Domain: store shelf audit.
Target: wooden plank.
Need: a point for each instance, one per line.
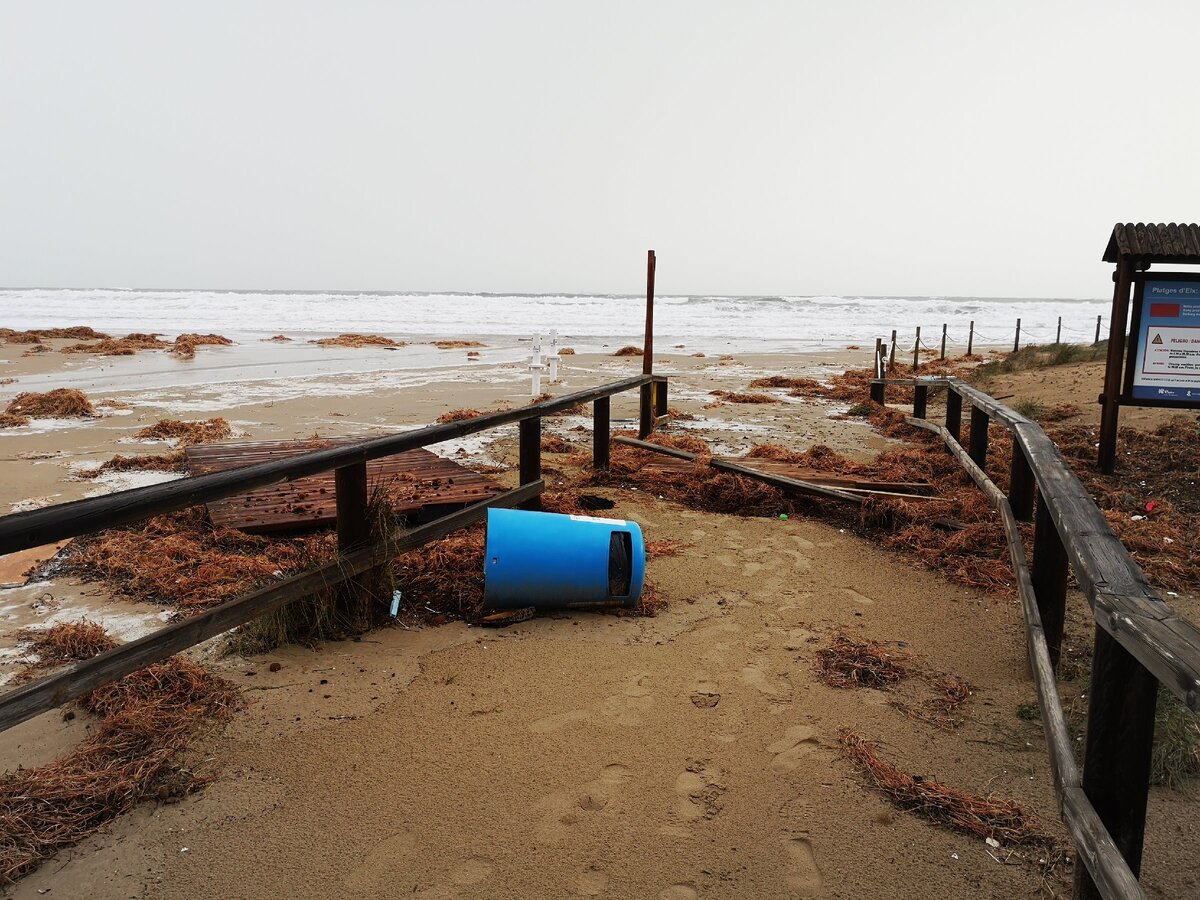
(1099, 855)
(530, 448)
(309, 502)
(54, 690)
(19, 531)
(795, 484)
(654, 448)
(1049, 575)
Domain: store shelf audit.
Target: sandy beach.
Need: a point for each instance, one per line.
(690, 754)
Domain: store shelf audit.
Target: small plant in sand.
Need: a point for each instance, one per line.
(61, 403)
(185, 345)
(358, 340)
(184, 434)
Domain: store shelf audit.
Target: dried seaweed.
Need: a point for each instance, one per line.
(56, 404)
(358, 340)
(184, 434)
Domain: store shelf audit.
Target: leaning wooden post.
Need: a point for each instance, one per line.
(1110, 410)
(353, 533)
(920, 400)
(943, 340)
(954, 413)
(600, 434)
(971, 338)
(1049, 576)
(892, 356)
(1116, 762)
(1020, 485)
(1017, 339)
(917, 350)
(979, 436)
(531, 456)
(1058, 334)
(646, 397)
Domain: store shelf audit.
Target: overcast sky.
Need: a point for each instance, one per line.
(962, 147)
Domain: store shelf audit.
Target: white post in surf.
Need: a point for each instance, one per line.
(535, 367)
(552, 359)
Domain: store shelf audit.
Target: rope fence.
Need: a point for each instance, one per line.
(947, 340)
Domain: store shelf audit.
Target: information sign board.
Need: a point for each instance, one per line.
(1163, 365)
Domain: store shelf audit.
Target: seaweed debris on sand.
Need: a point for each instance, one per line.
(60, 403)
(183, 434)
(358, 340)
(185, 345)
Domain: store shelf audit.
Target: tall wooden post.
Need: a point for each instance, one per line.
(1058, 334)
(943, 340)
(878, 368)
(1110, 400)
(920, 401)
(1017, 339)
(917, 350)
(661, 408)
(892, 356)
(971, 338)
(979, 436)
(1020, 486)
(1097, 340)
(646, 397)
(530, 448)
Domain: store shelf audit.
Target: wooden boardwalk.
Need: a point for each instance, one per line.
(414, 480)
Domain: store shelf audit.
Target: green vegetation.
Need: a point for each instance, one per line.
(861, 409)
(1175, 759)
(1038, 356)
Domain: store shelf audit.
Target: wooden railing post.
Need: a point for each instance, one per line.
(1116, 763)
(920, 400)
(1020, 486)
(353, 533)
(877, 386)
(645, 411)
(531, 456)
(1049, 576)
(660, 398)
(979, 436)
(892, 355)
(954, 413)
(600, 434)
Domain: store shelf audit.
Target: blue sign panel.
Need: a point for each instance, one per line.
(1166, 367)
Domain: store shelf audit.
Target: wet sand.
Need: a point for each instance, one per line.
(689, 755)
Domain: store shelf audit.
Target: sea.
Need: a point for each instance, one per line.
(589, 322)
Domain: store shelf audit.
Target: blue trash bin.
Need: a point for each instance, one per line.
(552, 561)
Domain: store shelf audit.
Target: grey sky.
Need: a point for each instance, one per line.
(972, 148)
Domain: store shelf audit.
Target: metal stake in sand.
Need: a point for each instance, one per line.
(553, 358)
(536, 368)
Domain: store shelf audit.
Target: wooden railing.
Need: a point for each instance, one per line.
(1140, 641)
(357, 554)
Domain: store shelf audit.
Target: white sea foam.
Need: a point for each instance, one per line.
(739, 324)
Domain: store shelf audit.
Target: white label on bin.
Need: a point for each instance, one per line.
(598, 519)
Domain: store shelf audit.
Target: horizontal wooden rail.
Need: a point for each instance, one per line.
(54, 690)
(19, 531)
(1097, 849)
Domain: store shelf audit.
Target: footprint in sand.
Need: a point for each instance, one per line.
(698, 790)
(558, 721)
(804, 875)
(382, 862)
(678, 892)
(567, 808)
(472, 870)
(857, 597)
(626, 708)
(705, 694)
(592, 882)
(757, 679)
(796, 743)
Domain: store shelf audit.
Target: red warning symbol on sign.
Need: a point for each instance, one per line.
(1157, 339)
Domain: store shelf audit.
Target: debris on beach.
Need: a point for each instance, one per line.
(998, 818)
(65, 642)
(147, 718)
(738, 397)
(358, 340)
(60, 403)
(185, 345)
(566, 351)
(553, 443)
(277, 339)
(629, 350)
(126, 346)
(149, 462)
(458, 415)
(10, 420)
(180, 560)
(183, 434)
(33, 336)
(455, 345)
(850, 663)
